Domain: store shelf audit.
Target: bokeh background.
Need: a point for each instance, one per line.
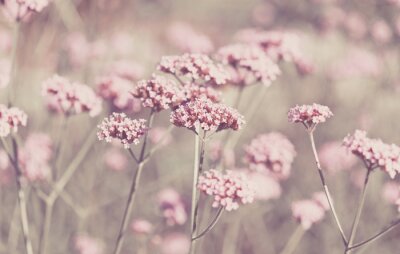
(352, 54)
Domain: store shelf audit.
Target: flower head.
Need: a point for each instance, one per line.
(208, 115)
(140, 226)
(70, 97)
(230, 190)
(11, 119)
(271, 152)
(21, 9)
(309, 115)
(172, 207)
(307, 212)
(118, 126)
(85, 244)
(373, 152)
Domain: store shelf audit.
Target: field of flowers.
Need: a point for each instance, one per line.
(199, 127)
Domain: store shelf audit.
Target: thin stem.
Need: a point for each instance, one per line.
(294, 240)
(211, 226)
(46, 226)
(359, 212)
(387, 229)
(326, 189)
(133, 155)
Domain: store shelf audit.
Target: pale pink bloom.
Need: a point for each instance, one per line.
(272, 153)
(229, 190)
(142, 227)
(309, 115)
(374, 153)
(175, 243)
(321, 199)
(304, 66)
(160, 134)
(158, 93)
(116, 90)
(334, 157)
(216, 153)
(197, 68)
(248, 64)
(118, 126)
(6, 40)
(355, 25)
(11, 119)
(265, 186)
(307, 212)
(195, 91)
(391, 192)
(85, 244)
(5, 69)
(21, 9)
(122, 44)
(78, 49)
(172, 207)
(126, 69)
(187, 39)
(264, 13)
(394, 2)
(207, 115)
(381, 32)
(69, 98)
(115, 159)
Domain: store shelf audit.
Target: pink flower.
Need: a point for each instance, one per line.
(307, 212)
(208, 115)
(194, 91)
(381, 32)
(321, 199)
(117, 90)
(158, 93)
(355, 25)
(20, 9)
(373, 152)
(217, 153)
(334, 157)
(391, 192)
(11, 119)
(115, 159)
(172, 207)
(175, 243)
(197, 68)
(184, 37)
(118, 126)
(160, 134)
(229, 190)
(248, 64)
(85, 244)
(271, 152)
(142, 227)
(265, 187)
(309, 115)
(70, 97)
(126, 69)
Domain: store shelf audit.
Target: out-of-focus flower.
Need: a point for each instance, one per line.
(175, 243)
(160, 134)
(271, 152)
(67, 97)
(265, 187)
(334, 157)
(158, 93)
(321, 199)
(5, 68)
(117, 90)
(126, 69)
(118, 126)
(115, 159)
(78, 49)
(142, 227)
(20, 9)
(355, 25)
(216, 153)
(357, 177)
(229, 190)
(374, 152)
(197, 68)
(194, 91)
(248, 64)
(391, 192)
(5, 40)
(85, 244)
(307, 212)
(381, 32)
(264, 13)
(172, 207)
(309, 115)
(11, 119)
(184, 37)
(208, 115)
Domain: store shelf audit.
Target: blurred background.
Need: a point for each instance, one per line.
(350, 63)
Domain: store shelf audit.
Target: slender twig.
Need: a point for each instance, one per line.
(359, 211)
(211, 226)
(294, 240)
(387, 229)
(326, 190)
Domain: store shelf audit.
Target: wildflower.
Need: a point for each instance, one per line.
(271, 152)
(208, 115)
(85, 244)
(142, 227)
(21, 9)
(118, 126)
(307, 212)
(229, 190)
(309, 115)
(266, 187)
(11, 119)
(194, 91)
(115, 159)
(172, 207)
(70, 97)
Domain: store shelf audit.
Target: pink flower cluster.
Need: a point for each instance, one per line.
(20, 9)
(230, 190)
(11, 119)
(271, 152)
(70, 97)
(118, 126)
(248, 64)
(208, 115)
(172, 207)
(310, 211)
(158, 93)
(266, 187)
(85, 244)
(309, 115)
(196, 67)
(374, 152)
(193, 92)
